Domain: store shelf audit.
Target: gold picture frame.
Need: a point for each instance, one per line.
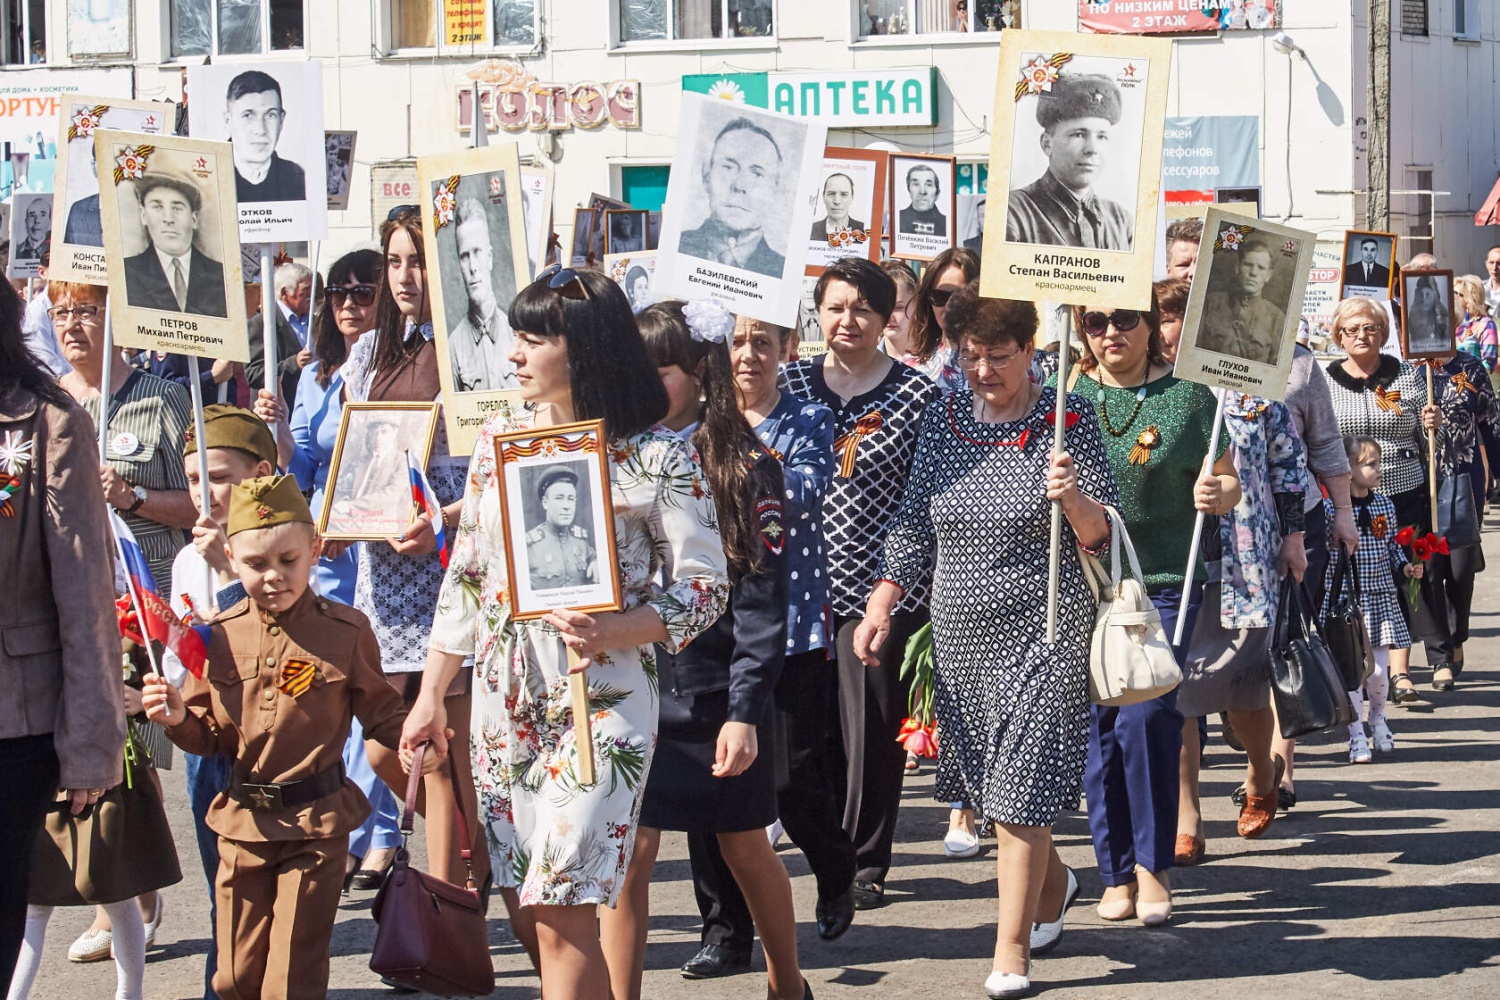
(369, 495)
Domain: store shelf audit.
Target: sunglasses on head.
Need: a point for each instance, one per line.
(401, 210)
(565, 282)
(363, 295)
(1124, 320)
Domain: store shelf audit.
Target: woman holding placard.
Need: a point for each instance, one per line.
(1156, 431)
(563, 847)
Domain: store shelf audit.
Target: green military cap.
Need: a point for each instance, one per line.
(265, 503)
(552, 475)
(226, 426)
(1081, 95)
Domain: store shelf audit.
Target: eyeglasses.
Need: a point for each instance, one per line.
(363, 295)
(1124, 320)
(972, 363)
(60, 314)
(565, 282)
(1368, 330)
(939, 297)
(401, 210)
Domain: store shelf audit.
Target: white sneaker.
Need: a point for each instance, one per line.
(774, 833)
(1007, 985)
(1044, 937)
(1380, 736)
(1359, 749)
(960, 843)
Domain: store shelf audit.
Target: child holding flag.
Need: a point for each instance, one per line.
(286, 672)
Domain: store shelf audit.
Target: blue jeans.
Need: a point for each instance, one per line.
(206, 778)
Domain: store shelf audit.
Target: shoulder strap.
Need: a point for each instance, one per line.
(409, 807)
(1120, 538)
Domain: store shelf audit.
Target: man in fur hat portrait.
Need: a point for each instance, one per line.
(1078, 117)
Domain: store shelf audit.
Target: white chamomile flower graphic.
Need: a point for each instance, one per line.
(727, 90)
(15, 453)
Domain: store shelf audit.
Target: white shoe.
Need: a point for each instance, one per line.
(960, 843)
(91, 946)
(774, 833)
(1380, 736)
(1007, 985)
(155, 921)
(1044, 937)
(1359, 749)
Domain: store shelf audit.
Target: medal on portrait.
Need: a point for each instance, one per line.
(848, 207)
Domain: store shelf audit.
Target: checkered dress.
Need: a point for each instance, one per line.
(1379, 559)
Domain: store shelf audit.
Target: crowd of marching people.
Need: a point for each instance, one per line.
(824, 562)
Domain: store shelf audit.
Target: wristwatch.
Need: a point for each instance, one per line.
(141, 496)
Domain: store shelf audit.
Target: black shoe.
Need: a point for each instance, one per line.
(364, 880)
(714, 960)
(867, 895)
(1285, 797)
(835, 915)
(397, 987)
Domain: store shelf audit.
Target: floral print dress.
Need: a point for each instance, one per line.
(555, 840)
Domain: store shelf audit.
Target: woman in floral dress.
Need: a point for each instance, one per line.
(563, 846)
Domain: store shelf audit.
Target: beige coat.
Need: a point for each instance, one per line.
(59, 641)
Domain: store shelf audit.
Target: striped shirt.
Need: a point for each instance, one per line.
(148, 423)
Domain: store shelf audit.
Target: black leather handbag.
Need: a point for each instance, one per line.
(1344, 629)
(1309, 692)
(1457, 520)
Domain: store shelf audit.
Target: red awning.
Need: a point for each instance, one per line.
(1489, 215)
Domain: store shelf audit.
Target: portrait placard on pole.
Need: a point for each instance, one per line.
(1078, 132)
(848, 207)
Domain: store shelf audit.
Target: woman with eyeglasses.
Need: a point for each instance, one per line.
(931, 349)
(563, 848)
(304, 446)
(1382, 397)
(877, 405)
(1156, 431)
(976, 518)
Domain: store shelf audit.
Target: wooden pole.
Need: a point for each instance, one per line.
(1060, 426)
(1432, 478)
(583, 724)
(1192, 563)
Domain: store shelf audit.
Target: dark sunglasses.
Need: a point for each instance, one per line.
(400, 210)
(565, 282)
(363, 295)
(938, 297)
(1124, 320)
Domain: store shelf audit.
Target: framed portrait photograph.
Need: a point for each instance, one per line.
(536, 213)
(588, 237)
(1240, 328)
(1076, 151)
(338, 151)
(1369, 264)
(271, 113)
(473, 223)
(653, 230)
(636, 274)
(1427, 314)
(77, 226)
(625, 230)
(848, 207)
(1239, 196)
(924, 205)
(810, 339)
(971, 208)
(559, 525)
(30, 233)
(736, 207)
(172, 240)
(369, 494)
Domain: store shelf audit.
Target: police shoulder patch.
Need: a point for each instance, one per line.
(770, 516)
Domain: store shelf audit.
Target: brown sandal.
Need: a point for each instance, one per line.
(1260, 810)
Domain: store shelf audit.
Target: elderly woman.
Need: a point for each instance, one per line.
(69, 729)
(975, 519)
(1156, 431)
(1383, 397)
(877, 405)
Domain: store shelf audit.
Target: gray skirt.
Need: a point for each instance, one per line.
(1225, 670)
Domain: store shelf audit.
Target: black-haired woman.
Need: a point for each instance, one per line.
(877, 405)
(562, 847)
(714, 772)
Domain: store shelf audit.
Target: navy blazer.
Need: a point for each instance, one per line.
(147, 287)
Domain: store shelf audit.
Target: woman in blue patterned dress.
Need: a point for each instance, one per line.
(561, 848)
(975, 519)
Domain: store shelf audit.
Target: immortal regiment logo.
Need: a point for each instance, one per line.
(497, 188)
(84, 122)
(444, 202)
(201, 170)
(1232, 237)
(1130, 77)
(1038, 76)
(130, 162)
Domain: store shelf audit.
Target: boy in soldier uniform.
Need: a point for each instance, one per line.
(559, 552)
(286, 670)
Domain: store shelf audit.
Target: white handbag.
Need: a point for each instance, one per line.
(1130, 660)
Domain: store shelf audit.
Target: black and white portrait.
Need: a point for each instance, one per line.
(476, 268)
(30, 232)
(636, 274)
(560, 550)
(847, 206)
(1251, 280)
(742, 199)
(1076, 151)
(338, 151)
(588, 239)
(272, 115)
(1427, 314)
(971, 208)
(180, 267)
(625, 231)
(369, 483)
(1367, 265)
(923, 204)
(1238, 196)
(653, 230)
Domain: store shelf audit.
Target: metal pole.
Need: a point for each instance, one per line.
(268, 315)
(1060, 424)
(200, 436)
(104, 394)
(1192, 563)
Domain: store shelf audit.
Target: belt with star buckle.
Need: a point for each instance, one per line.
(287, 794)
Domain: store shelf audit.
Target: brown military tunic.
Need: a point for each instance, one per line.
(277, 697)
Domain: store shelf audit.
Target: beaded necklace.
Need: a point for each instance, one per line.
(1140, 400)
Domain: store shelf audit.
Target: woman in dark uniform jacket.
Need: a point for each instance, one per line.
(711, 772)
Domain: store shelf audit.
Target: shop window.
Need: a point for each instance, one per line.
(236, 27)
(670, 20)
(644, 187)
(1419, 228)
(935, 17)
(25, 25)
(1414, 17)
(421, 24)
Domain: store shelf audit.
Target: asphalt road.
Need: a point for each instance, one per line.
(1383, 882)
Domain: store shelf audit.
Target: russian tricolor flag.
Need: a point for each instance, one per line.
(427, 503)
(189, 642)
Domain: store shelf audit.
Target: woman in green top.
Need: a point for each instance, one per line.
(1156, 431)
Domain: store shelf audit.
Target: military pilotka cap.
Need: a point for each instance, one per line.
(1086, 95)
(552, 475)
(227, 426)
(265, 503)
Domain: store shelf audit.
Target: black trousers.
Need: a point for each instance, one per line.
(28, 785)
(872, 704)
(808, 775)
(1447, 594)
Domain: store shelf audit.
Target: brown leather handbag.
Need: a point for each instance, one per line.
(431, 935)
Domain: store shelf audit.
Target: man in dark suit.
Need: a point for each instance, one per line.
(173, 275)
(1365, 272)
(741, 178)
(290, 357)
(838, 198)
